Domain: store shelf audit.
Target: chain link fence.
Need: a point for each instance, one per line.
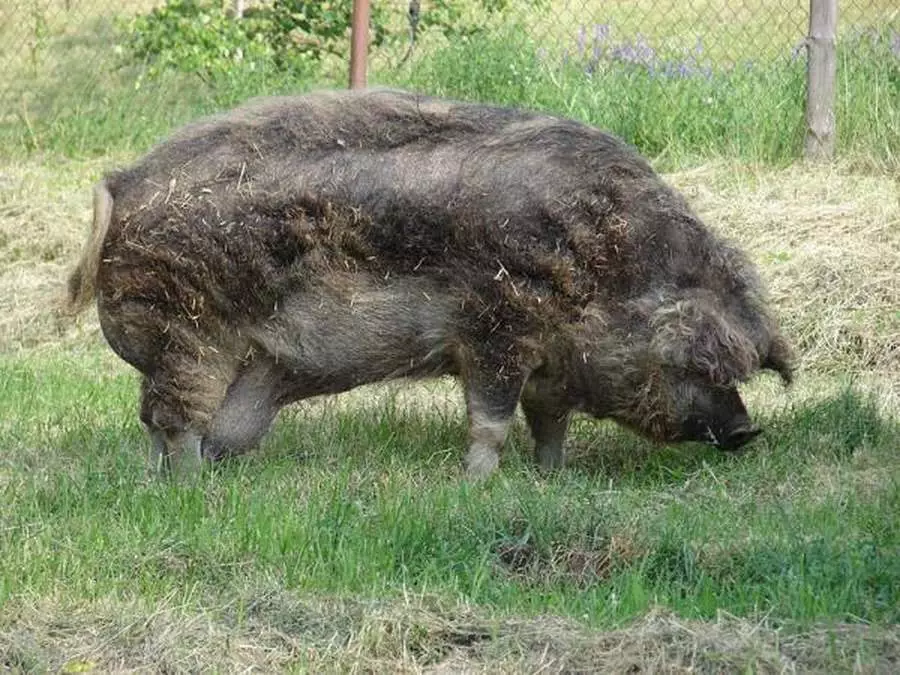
(52, 48)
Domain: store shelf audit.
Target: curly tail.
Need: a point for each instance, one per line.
(83, 279)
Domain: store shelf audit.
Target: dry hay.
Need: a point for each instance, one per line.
(45, 212)
(828, 244)
(276, 630)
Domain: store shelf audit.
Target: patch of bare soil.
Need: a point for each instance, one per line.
(273, 631)
(584, 564)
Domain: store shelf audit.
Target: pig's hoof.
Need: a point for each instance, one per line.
(550, 459)
(481, 462)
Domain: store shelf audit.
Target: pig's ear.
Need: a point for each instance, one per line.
(689, 334)
(780, 358)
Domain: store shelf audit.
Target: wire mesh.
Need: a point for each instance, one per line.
(47, 46)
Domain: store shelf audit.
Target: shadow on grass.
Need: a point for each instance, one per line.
(365, 434)
(384, 434)
(813, 578)
(834, 427)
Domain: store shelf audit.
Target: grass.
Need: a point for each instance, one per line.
(271, 631)
(350, 541)
(680, 109)
(361, 501)
(731, 31)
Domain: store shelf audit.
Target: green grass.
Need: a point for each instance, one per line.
(366, 500)
(78, 116)
(350, 539)
(752, 111)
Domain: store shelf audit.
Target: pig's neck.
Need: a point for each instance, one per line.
(602, 375)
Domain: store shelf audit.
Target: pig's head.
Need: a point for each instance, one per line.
(676, 366)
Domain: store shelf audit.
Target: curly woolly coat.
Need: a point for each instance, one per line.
(304, 245)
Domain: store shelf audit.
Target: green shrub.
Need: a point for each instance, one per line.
(202, 36)
(197, 36)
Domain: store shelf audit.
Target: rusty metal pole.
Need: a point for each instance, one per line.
(359, 43)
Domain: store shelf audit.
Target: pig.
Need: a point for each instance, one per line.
(306, 245)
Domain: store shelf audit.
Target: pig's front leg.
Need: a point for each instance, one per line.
(548, 420)
(492, 387)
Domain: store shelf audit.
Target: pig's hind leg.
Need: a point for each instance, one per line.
(175, 447)
(251, 403)
(214, 426)
(176, 455)
(548, 420)
(198, 408)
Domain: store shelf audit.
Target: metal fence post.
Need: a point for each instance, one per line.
(820, 78)
(359, 42)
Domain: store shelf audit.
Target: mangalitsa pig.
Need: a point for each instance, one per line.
(307, 245)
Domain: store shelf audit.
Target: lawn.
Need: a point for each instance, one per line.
(351, 540)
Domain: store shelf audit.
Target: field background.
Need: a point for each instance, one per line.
(350, 541)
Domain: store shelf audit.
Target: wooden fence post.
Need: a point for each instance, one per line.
(821, 74)
(359, 43)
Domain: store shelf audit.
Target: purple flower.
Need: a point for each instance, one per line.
(637, 53)
(601, 32)
(624, 52)
(645, 51)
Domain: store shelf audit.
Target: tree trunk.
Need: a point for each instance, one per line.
(820, 78)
